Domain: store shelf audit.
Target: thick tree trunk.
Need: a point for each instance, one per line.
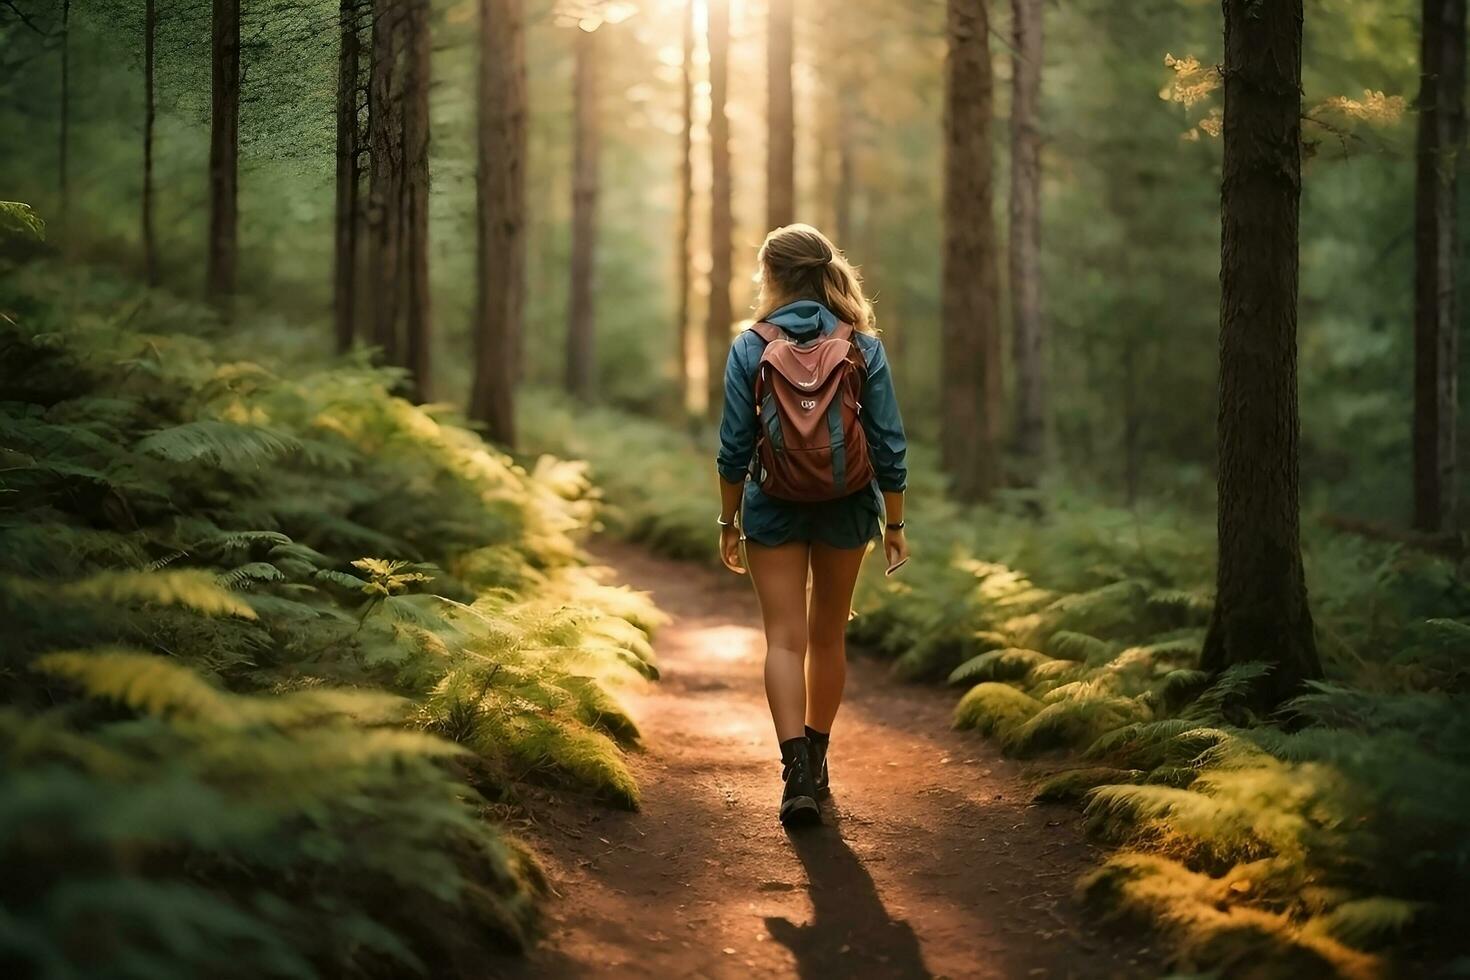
(721, 221)
(1261, 611)
(846, 187)
(63, 149)
(344, 252)
(224, 153)
(416, 204)
(150, 244)
(1028, 328)
(385, 186)
(1436, 250)
(398, 214)
(970, 396)
(780, 117)
(684, 254)
(581, 366)
(500, 195)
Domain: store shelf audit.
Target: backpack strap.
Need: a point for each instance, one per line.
(767, 332)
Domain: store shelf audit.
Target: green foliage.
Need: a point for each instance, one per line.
(19, 221)
(233, 745)
(1079, 632)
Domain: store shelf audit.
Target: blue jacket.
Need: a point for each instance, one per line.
(803, 320)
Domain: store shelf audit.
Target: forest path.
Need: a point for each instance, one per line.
(931, 862)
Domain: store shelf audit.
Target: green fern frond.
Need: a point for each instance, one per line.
(193, 589)
(1069, 645)
(1366, 922)
(1071, 785)
(224, 444)
(994, 709)
(1009, 664)
(230, 543)
(159, 686)
(18, 220)
(251, 573)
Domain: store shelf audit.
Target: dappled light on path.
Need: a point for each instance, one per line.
(931, 862)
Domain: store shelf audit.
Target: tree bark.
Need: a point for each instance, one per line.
(385, 186)
(344, 251)
(581, 365)
(780, 117)
(970, 396)
(1261, 611)
(150, 244)
(500, 195)
(417, 325)
(63, 148)
(686, 214)
(721, 221)
(1028, 328)
(224, 154)
(846, 187)
(1436, 250)
(398, 214)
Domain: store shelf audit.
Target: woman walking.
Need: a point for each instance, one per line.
(811, 467)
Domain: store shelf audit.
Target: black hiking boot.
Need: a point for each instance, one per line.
(799, 800)
(819, 742)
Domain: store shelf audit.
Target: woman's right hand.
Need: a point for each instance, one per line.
(730, 549)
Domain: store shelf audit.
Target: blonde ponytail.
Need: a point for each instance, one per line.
(799, 262)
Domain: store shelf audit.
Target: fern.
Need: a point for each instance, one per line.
(17, 220)
(998, 665)
(223, 444)
(194, 590)
(156, 686)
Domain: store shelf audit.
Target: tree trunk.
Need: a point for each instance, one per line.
(780, 121)
(500, 196)
(64, 136)
(224, 153)
(1028, 328)
(1261, 611)
(150, 244)
(398, 214)
(344, 252)
(846, 169)
(1132, 423)
(686, 215)
(581, 373)
(721, 221)
(970, 396)
(1436, 250)
(385, 186)
(416, 199)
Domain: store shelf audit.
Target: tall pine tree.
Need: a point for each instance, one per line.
(1261, 611)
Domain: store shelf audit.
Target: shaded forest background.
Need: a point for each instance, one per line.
(224, 541)
(1130, 164)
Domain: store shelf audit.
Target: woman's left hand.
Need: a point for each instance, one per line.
(730, 548)
(895, 547)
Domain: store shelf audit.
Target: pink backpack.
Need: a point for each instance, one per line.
(810, 444)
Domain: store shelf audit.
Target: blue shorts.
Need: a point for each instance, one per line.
(847, 522)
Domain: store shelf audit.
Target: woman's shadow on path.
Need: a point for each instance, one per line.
(851, 933)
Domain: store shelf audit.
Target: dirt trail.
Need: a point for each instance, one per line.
(931, 863)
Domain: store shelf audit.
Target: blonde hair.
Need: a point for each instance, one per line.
(799, 262)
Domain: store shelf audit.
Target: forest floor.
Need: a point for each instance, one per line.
(932, 861)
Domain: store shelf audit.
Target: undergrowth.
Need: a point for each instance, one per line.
(277, 644)
(1338, 847)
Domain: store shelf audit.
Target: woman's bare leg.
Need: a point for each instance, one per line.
(780, 576)
(834, 573)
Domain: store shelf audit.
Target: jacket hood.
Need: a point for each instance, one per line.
(804, 319)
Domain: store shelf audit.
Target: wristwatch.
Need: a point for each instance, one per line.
(896, 527)
(723, 523)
